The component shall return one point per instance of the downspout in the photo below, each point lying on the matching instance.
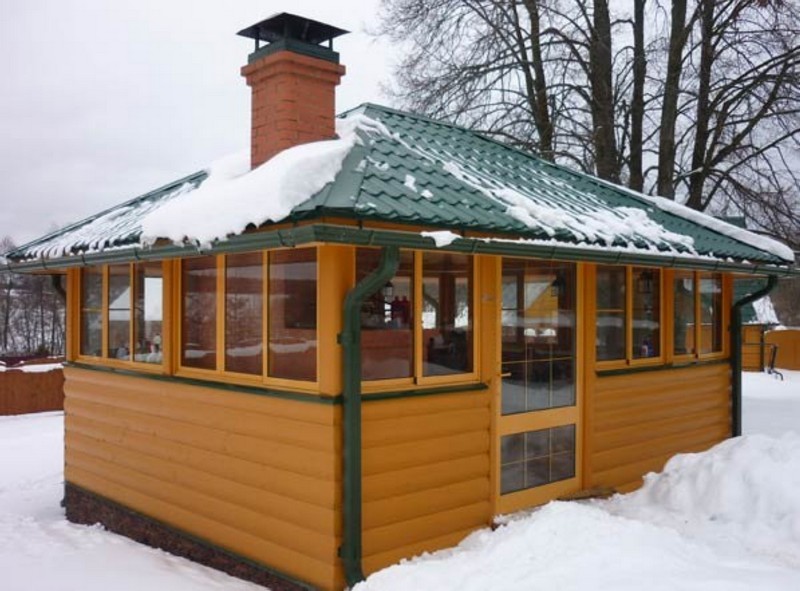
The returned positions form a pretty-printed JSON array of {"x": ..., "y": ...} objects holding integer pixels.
[
  {"x": 350, "y": 339},
  {"x": 736, "y": 352}
]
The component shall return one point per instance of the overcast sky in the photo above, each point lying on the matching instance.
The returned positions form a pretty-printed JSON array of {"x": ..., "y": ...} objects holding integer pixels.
[{"x": 103, "y": 100}]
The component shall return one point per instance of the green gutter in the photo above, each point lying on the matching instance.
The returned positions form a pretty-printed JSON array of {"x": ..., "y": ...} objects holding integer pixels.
[
  {"x": 350, "y": 339},
  {"x": 736, "y": 352}
]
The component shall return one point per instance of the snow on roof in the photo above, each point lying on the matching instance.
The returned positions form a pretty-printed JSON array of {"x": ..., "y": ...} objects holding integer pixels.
[{"x": 410, "y": 170}]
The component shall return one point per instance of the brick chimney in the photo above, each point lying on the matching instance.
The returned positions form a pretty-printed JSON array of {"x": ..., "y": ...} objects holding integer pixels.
[{"x": 293, "y": 80}]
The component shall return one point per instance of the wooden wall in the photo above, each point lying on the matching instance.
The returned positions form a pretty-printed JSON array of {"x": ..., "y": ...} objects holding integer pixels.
[
  {"x": 256, "y": 475},
  {"x": 425, "y": 474},
  {"x": 788, "y": 342},
  {"x": 24, "y": 392},
  {"x": 637, "y": 421}
]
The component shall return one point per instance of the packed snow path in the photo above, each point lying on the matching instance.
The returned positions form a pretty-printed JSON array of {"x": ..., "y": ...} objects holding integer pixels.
[{"x": 727, "y": 520}]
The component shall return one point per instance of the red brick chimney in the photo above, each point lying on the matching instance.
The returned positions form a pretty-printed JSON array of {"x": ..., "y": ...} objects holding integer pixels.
[{"x": 293, "y": 80}]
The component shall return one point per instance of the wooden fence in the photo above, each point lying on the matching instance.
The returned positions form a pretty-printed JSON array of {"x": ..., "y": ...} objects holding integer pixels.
[
  {"x": 788, "y": 343},
  {"x": 23, "y": 392}
]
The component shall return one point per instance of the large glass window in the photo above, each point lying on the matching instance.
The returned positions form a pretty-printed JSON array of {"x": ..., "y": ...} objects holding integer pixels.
[
  {"x": 148, "y": 312},
  {"x": 119, "y": 312},
  {"x": 199, "y": 312},
  {"x": 698, "y": 313},
  {"x": 446, "y": 313},
  {"x": 293, "y": 314},
  {"x": 538, "y": 332},
  {"x": 387, "y": 329},
  {"x": 611, "y": 317},
  {"x": 244, "y": 312},
  {"x": 92, "y": 311}
]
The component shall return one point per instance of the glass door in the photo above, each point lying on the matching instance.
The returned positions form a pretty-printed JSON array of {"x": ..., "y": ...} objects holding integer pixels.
[{"x": 539, "y": 423}]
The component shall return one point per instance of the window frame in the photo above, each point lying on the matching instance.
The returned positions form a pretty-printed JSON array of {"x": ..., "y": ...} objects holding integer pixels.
[
  {"x": 418, "y": 378},
  {"x": 698, "y": 355},
  {"x": 629, "y": 361},
  {"x": 219, "y": 373},
  {"x": 103, "y": 358}
]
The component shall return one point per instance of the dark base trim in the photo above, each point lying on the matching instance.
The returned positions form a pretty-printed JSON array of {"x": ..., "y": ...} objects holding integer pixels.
[{"x": 88, "y": 508}]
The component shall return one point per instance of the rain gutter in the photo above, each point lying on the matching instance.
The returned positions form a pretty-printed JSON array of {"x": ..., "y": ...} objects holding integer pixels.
[
  {"x": 350, "y": 338},
  {"x": 736, "y": 352}
]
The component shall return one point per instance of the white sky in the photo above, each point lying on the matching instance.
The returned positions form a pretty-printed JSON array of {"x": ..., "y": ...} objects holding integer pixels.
[{"x": 103, "y": 100}]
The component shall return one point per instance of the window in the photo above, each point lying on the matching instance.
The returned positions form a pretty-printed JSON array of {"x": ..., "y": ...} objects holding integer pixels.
[
  {"x": 199, "y": 312},
  {"x": 122, "y": 306},
  {"x": 697, "y": 296},
  {"x": 387, "y": 327},
  {"x": 538, "y": 332},
  {"x": 446, "y": 313},
  {"x": 437, "y": 289},
  {"x": 535, "y": 458},
  {"x": 91, "y": 311},
  {"x": 244, "y": 313},
  {"x": 628, "y": 313},
  {"x": 293, "y": 314}
]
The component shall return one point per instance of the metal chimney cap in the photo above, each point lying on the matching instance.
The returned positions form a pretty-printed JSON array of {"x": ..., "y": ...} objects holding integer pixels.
[{"x": 290, "y": 26}]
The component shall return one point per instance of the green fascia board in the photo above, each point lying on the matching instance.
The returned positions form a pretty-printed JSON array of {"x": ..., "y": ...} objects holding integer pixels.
[{"x": 339, "y": 234}]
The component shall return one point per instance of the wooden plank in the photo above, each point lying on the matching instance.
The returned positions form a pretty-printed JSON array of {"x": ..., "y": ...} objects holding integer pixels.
[
  {"x": 683, "y": 423},
  {"x": 313, "y": 544},
  {"x": 377, "y": 460},
  {"x": 423, "y": 405},
  {"x": 375, "y": 562},
  {"x": 264, "y": 501},
  {"x": 390, "y": 510},
  {"x": 382, "y": 539},
  {"x": 423, "y": 427},
  {"x": 427, "y": 476}
]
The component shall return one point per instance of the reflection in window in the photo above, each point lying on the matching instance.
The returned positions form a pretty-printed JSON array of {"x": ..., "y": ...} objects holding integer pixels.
[
  {"x": 199, "y": 312},
  {"x": 91, "y": 311},
  {"x": 293, "y": 314},
  {"x": 710, "y": 312},
  {"x": 684, "y": 310},
  {"x": 538, "y": 333},
  {"x": 119, "y": 312},
  {"x": 646, "y": 313},
  {"x": 148, "y": 312},
  {"x": 387, "y": 330},
  {"x": 610, "y": 313},
  {"x": 244, "y": 304},
  {"x": 446, "y": 313},
  {"x": 535, "y": 458}
]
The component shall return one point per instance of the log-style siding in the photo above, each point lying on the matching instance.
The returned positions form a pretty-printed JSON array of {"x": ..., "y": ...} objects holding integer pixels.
[
  {"x": 256, "y": 475},
  {"x": 425, "y": 475},
  {"x": 638, "y": 421}
]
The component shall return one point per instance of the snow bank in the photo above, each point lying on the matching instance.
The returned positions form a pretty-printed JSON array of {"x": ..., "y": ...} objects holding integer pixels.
[
  {"x": 744, "y": 491},
  {"x": 34, "y": 368}
]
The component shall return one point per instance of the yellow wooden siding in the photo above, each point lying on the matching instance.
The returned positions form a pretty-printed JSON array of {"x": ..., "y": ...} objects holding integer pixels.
[
  {"x": 788, "y": 343},
  {"x": 425, "y": 474},
  {"x": 257, "y": 475},
  {"x": 640, "y": 420}
]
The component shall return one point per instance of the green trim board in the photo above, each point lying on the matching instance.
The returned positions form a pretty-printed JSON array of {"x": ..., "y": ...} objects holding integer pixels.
[{"x": 300, "y": 235}]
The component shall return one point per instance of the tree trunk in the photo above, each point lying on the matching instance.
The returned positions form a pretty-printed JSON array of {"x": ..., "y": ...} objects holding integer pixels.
[
  {"x": 669, "y": 110},
  {"x": 605, "y": 145},
  {"x": 637, "y": 100},
  {"x": 544, "y": 125}
]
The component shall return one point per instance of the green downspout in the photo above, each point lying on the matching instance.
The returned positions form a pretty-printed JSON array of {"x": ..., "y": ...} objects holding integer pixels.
[
  {"x": 350, "y": 339},
  {"x": 736, "y": 352}
]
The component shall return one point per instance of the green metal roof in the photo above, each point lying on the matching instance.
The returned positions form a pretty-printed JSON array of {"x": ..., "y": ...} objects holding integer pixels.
[{"x": 415, "y": 171}]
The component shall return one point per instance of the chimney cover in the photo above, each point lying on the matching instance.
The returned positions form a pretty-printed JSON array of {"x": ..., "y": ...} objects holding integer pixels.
[{"x": 290, "y": 26}]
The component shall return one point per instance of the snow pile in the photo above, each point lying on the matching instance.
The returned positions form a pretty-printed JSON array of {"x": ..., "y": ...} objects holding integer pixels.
[
  {"x": 765, "y": 311},
  {"x": 744, "y": 491},
  {"x": 234, "y": 197},
  {"x": 441, "y": 237},
  {"x": 33, "y": 368}
]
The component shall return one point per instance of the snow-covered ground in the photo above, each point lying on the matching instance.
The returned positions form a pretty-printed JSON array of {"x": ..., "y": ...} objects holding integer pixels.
[{"x": 728, "y": 519}]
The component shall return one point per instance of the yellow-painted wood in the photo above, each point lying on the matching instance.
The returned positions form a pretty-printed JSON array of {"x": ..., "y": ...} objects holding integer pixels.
[
  {"x": 72, "y": 344},
  {"x": 257, "y": 475},
  {"x": 639, "y": 420},
  {"x": 378, "y": 561},
  {"x": 788, "y": 343},
  {"x": 428, "y": 476},
  {"x": 336, "y": 264}
]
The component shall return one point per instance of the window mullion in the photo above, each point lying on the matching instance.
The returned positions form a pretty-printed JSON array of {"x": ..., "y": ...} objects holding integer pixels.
[
  {"x": 221, "y": 302},
  {"x": 628, "y": 315},
  {"x": 264, "y": 315},
  {"x": 417, "y": 345},
  {"x": 104, "y": 314}
]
